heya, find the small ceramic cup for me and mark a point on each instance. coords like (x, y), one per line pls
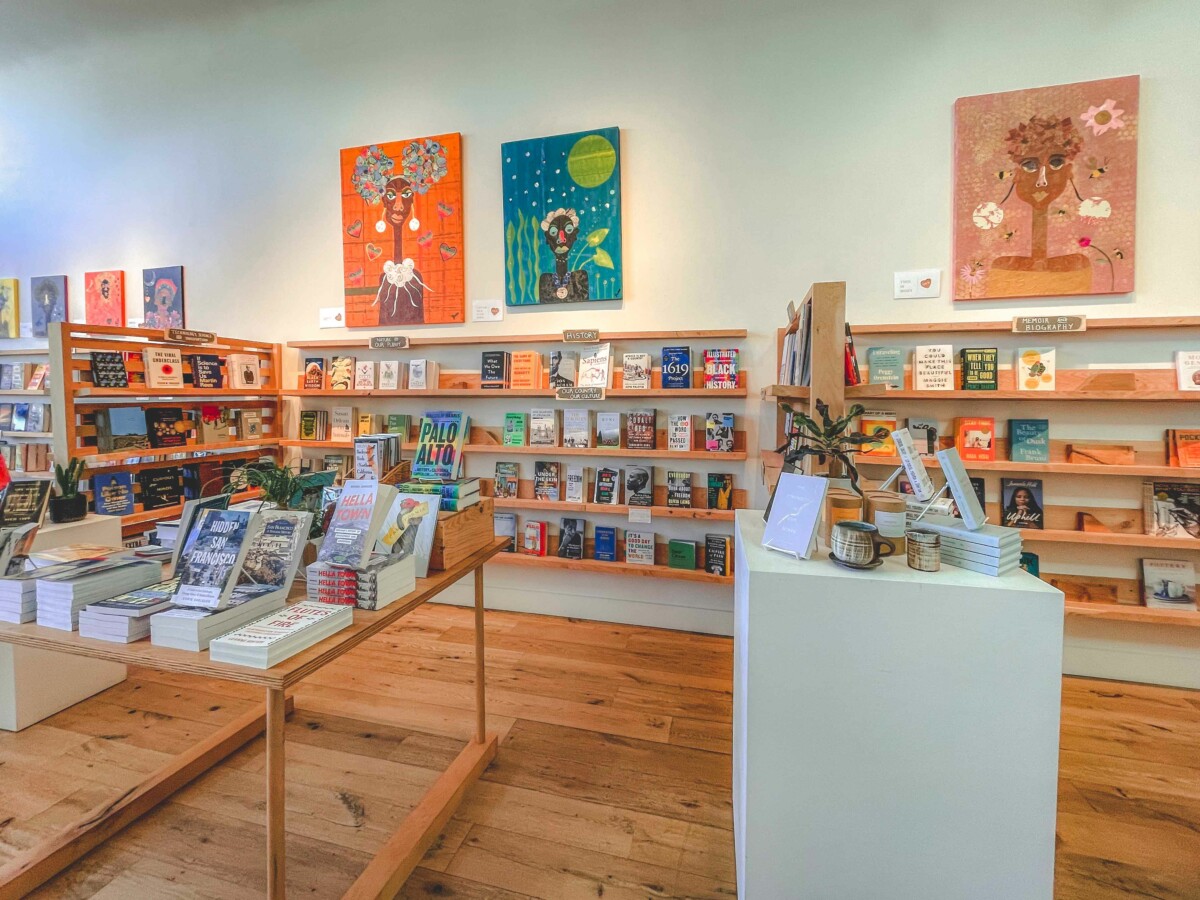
(924, 549)
(859, 543)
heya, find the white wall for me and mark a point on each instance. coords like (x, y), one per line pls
(766, 145)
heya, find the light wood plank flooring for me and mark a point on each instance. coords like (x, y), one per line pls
(613, 778)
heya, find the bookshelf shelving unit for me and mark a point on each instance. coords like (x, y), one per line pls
(76, 401)
(1107, 598)
(32, 355)
(485, 441)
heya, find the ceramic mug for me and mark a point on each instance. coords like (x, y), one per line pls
(859, 543)
(924, 550)
(1172, 589)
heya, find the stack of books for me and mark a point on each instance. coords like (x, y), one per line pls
(192, 628)
(381, 582)
(989, 549)
(62, 595)
(282, 634)
(126, 617)
(314, 425)
(454, 496)
(375, 455)
(18, 598)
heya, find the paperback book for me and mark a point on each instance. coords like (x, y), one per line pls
(1172, 509)
(424, 375)
(595, 367)
(341, 373)
(516, 429)
(526, 370)
(635, 371)
(243, 370)
(505, 525)
(885, 365)
(570, 538)
(718, 432)
(274, 555)
(1029, 440)
(108, 369)
(720, 490)
(543, 428)
(933, 367)
(574, 487)
(166, 426)
(312, 425)
(721, 370)
(607, 489)
(391, 375)
(213, 555)
(1169, 583)
(577, 427)
(440, 441)
(925, 435)
(546, 480)
(495, 370)
(676, 367)
(717, 554)
(364, 375)
(357, 521)
(608, 429)
(639, 486)
(1022, 503)
(314, 373)
(121, 428)
(160, 487)
(979, 368)
(112, 493)
(681, 554)
(507, 481)
(164, 367)
(564, 364)
(533, 542)
(1187, 370)
(975, 438)
(679, 490)
(605, 548)
(640, 429)
(679, 433)
(206, 371)
(874, 422)
(1035, 369)
(639, 547)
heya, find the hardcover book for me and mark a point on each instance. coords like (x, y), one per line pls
(975, 438)
(1169, 583)
(933, 367)
(369, 423)
(721, 370)
(341, 423)
(564, 365)
(872, 420)
(979, 367)
(243, 370)
(577, 427)
(1029, 440)
(534, 543)
(574, 490)
(341, 373)
(213, 555)
(20, 417)
(925, 434)
(166, 426)
(364, 375)
(1035, 369)
(679, 433)
(390, 375)
(214, 424)
(885, 365)
(24, 503)
(36, 422)
(635, 371)
(440, 441)
(37, 377)
(595, 367)
(309, 425)
(526, 370)
(1022, 503)
(108, 369)
(679, 490)
(1187, 370)
(639, 547)
(399, 423)
(716, 554)
(1030, 563)
(357, 521)
(605, 548)
(720, 490)
(120, 428)
(507, 481)
(206, 371)
(6, 419)
(543, 428)
(607, 489)
(640, 429)
(676, 367)
(516, 429)
(159, 487)
(423, 375)
(570, 538)
(495, 369)
(249, 424)
(681, 554)
(639, 486)
(718, 432)
(546, 480)
(1185, 447)
(608, 429)
(314, 373)
(505, 525)
(271, 561)
(1171, 509)
(164, 367)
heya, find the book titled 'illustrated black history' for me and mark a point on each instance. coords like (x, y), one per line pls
(213, 556)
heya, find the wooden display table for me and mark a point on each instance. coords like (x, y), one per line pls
(395, 860)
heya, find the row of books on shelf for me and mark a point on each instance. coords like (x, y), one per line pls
(118, 493)
(714, 556)
(163, 368)
(164, 427)
(528, 370)
(1035, 368)
(24, 376)
(25, 417)
(632, 485)
(26, 456)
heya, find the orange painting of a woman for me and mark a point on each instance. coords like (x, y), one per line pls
(1045, 189)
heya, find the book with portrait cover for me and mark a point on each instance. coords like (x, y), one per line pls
(720, 490)
(718, 432)
(1022, 503)
(639, 486)
(570, 538)
(975, 438)
(563, 367)
(213, 555)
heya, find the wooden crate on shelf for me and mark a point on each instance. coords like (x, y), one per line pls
(459, 534)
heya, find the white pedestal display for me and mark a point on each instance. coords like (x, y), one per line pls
(35, 684)
(895, 731)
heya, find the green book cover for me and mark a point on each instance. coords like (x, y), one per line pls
(885, 365)
(1029, 440)
(399, 423)
(978, 368)
(681, 554)
(516, 429)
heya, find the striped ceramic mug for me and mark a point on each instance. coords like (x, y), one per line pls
(858, 543)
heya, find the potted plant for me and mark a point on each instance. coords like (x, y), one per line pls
(284, 488)
(830, 442)
(69, 505)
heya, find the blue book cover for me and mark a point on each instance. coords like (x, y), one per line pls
(677, 367)
(1029, 440)
(885, 365)
(212, 558)
(606, 543)
(113, 493)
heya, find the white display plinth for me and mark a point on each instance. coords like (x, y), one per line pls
(35, 684)
(895, 731)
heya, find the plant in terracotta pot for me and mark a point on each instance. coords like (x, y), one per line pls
(69, 505)
(830, 441)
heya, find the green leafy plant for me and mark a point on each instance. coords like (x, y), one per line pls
(282, 486)
(831, 441)
(68, 478)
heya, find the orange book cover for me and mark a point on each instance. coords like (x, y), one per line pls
(873, 419)
(975, 438)
(1187, 447)
(526, 369)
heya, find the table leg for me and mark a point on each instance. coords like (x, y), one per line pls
(276, 839)
(480, 705)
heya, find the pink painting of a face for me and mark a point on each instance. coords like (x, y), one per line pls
(1045, 189)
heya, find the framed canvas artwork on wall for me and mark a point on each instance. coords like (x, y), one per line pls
(1045, 191)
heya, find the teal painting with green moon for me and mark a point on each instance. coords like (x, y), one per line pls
(562, 218)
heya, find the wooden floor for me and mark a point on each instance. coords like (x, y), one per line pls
(613, 778)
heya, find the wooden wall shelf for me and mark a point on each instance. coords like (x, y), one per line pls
(171, 512)
(1160, 322)
(25, 353)
(468, 340)
(697, 511)
(611, 568)
(163, 453)
(1051, 468)
(1109, 539)
(176, 395)
(1117, 612)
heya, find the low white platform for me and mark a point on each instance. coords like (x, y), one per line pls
(895, 732)
(35, 684)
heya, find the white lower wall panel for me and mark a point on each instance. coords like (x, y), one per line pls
(1127, 651)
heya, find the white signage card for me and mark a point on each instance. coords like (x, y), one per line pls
(914, 466)
(639, 515)
(960, 486)
(795, 515)
(331, 317)
(487, 311)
